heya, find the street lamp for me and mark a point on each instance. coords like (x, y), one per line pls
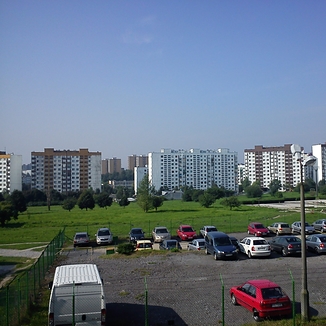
(309, 160)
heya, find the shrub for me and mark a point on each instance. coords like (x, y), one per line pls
(125, 248)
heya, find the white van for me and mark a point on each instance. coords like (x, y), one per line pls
(77, 296)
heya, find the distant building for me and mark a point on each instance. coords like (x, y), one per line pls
(10, 172)
(139, 174)
(320, 167)
(123, 183)
(200, 169)
(241, 173)
(66, 170)
(137, 161)
(266, 164)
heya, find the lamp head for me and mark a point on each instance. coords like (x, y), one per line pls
(310, 160)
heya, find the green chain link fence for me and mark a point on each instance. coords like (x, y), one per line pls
(17, 297)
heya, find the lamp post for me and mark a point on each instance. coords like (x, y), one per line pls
(310, 160)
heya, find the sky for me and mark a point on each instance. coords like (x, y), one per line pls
(133, 77)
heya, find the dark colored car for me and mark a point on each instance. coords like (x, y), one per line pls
(136, 234)
(170, 244)
(286, 245)
(257, 229)
(220, 246)
(263, 298)
(316, 243)
(320, 225)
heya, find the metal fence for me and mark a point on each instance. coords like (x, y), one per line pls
(17, 297)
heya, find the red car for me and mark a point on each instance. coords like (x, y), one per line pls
(186, 232)
(257, 229)
(263, 298)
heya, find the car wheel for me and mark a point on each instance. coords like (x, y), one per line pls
(234, 300)
(277, 233)
(256, 235)
(255, 315)
(248, 232)
(215, 256)
(206, 251)
(249, 254)
(284, 253)
(316, 250)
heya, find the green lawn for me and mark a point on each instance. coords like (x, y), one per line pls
(38, 224)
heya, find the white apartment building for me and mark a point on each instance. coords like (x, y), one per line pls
(269, 163)
(139, 174)
(10, 172)
(320, 167)
(200, 169)
(66, 170)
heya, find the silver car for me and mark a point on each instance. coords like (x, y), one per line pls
(196, 244)
(320, 225)
(296, 228)
(104, 236)
(160, 233)
(280, 228)
(316, 243)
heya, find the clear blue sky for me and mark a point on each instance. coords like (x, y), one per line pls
(132, 77)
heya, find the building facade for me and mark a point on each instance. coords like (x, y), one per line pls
(66, 170)
(200, 169)
(10, 172)
(139, 174)
(266, 164)
(137, 161)
(320, 167)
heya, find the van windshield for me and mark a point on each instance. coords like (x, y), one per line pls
(224, 241)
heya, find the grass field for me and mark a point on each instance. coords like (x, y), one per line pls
(38, 224)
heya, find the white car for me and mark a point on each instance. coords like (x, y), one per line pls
(255, 247)
(196, 244)
(207, 228)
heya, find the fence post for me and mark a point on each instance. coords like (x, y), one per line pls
(293, 299)
(146, 303)
(19, 297)
(223, 321)
(7, 304)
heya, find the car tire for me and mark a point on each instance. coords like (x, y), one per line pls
(249, 254)
(206, 251)
(255, 315)
(277, 233)
(284, 252)
(234, 300)
(256, 235)
(215, 256)
(248, 232)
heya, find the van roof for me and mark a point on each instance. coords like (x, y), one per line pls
(79, 273)
(217, 234)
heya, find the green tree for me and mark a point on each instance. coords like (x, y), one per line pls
(157, 201)
(216, 192)
(196, 193)
(245, 183)
(6, 212)
(86, 200)
(254, 191)
(145, 193)
(69, 203)
(103, 200)
(231, 202)
(274, 186)
(123, 202)
(18, 202)
(206, 199)
(187, 193)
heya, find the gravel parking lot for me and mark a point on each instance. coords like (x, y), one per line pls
(186, 288)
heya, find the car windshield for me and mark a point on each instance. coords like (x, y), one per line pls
(224, 241)
(259, 226)
(307, 224)
(293, 239)
(103, 232)
(170, 244)
(322, 239)
(161, 231)
(284, 225)
(211, 229)
(271, 293)
(80, 236)
(259, 242)
(187, 229)
(137, 231)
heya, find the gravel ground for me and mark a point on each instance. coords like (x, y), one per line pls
(186, 288)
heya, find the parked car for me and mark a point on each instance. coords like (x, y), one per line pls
(186, 232)
(320, 225)
(296, 228)
(316, 243)
(257, 229)
(103, 236)
(143, 245)
(255, 247)
(286, 245)
(170, 244)
(280, 228)
(263, 298)
(197, 244)
(136, 234)
(220, 246)
(81, 239)
(207, 228)
(160, 233)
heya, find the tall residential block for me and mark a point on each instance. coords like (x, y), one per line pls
(320, 167)
(200, 169)
(66, 170)
(266, 164)
(137, 161)
(10, 172)
(139, 174)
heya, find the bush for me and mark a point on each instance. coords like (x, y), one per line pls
(125, 248)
